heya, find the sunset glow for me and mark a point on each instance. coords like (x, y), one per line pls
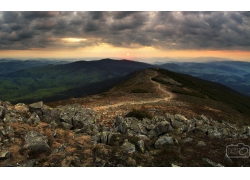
(121, 35)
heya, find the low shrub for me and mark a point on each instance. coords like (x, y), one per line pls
(139, 91)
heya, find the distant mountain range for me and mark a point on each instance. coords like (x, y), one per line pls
(233, 74)
(12, 65)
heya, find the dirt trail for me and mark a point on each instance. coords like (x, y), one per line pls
(167, 97)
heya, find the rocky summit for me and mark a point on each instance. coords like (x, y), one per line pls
(37, 135)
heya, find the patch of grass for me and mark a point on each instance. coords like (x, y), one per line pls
(212, 90)
(195, 94)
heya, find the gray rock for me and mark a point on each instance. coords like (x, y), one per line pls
(143, 137)
(163, 140)
(53, 124)
(169, 117)
(29, 163)
(121, 125)
(105, 137)
(36, 142)
(66, 126)
(137, 127)
(215, 134)
(205, 119)
(34, 119)
(212, 163)
(187, 140)
(140, 145)
(3, 111)
(4, 154)
(176, 124)
(173, 165)
(37, 108)
(201, 144)
(128, 147)
(162, 127)
(150, 126)
(179, 117)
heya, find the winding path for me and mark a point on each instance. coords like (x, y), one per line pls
(165, 98)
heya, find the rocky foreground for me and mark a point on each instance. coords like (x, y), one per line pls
(72, 135)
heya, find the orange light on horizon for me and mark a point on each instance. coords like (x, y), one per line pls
(106, 50)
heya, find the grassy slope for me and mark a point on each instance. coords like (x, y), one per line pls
(228, 73)
(213, 91)
(51, 81)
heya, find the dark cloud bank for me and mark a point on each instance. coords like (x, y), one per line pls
(163, 30)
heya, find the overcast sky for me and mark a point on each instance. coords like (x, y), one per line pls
(125, 34)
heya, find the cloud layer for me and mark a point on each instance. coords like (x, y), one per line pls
(161, 30)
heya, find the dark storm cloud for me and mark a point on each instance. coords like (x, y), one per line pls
(164, 30)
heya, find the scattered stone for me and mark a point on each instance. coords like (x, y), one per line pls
(173, 165)
(201, 144)
(141, 146)
(187, 140)
(128, 147)
(162, 127)
(4, 154)
(66, 126)
(212, 163)
(37, 108)
(33, 120)
(163, 140)
(3, 111)
(29, 163)
(21, 108)
(180, 118)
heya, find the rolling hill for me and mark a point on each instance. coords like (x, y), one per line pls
(233, 74)
(62, 81)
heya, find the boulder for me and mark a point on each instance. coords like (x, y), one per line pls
(37, 108)
(4, 154)
(128, 147)
(36, 142)
(163, 140)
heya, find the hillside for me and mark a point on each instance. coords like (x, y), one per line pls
(153, 117)
(12, 65)
(233, 74)
(63, 81)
